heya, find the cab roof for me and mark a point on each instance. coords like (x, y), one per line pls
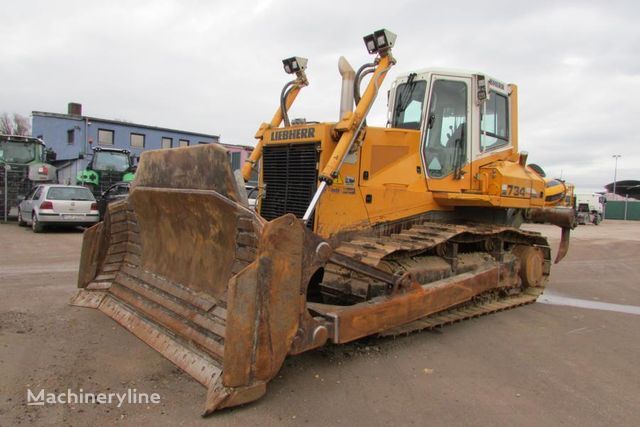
(21, 138)
(423, 72)
(113, 150)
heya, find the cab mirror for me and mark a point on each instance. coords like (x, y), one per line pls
(481, 84)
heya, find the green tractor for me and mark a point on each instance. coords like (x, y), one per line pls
(23, 164)
(107, 166)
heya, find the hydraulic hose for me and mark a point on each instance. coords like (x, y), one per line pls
(362, 71)
(283, 97)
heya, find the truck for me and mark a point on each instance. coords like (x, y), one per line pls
(107, 167)
(23, 163)
(589, 208)
(359, 230)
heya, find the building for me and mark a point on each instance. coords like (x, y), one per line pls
(72, 136)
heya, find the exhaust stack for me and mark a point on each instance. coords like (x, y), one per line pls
(348, 79)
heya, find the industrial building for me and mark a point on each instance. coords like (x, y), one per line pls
(72, 136)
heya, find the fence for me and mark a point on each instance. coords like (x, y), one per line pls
(616, 210)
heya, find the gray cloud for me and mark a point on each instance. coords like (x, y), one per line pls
(215, 66)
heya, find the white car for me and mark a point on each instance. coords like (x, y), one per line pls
(53, 204)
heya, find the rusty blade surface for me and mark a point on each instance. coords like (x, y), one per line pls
(202, 368)
(160, 264)
(201, 167)
(187, 236)
(564, 244)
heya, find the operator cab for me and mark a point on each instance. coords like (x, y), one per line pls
(15, 149)
(461, 115)
(110, 159)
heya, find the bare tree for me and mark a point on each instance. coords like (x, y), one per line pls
(21, 125)
(6, 124)
(16, 125)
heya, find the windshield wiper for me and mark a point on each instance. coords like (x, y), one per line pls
(405, 96)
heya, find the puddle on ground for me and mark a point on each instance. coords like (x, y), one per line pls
(556, 299)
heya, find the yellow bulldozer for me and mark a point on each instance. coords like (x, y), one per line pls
(358, 230)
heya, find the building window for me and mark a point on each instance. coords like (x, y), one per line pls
(235, 161)
(137, 140)
(71, 134)
(167, 142)
(105, 137)
(202, 143)
(184, 143)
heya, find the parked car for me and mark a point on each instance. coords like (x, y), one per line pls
(53, 204)
(118, 191)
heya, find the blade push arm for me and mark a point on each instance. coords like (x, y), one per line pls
(351, 126)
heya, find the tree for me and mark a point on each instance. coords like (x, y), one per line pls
(16, 125)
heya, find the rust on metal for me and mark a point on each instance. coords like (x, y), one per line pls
(561, 217)
(563, 248)
(374, 316)
(226, 296)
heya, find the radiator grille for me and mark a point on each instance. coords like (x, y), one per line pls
(18, 184)
(107, 179)
(290, 174)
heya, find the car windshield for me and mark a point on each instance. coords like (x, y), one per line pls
(110, 161)
(69, 193)
(17, 152)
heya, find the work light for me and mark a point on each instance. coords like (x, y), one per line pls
(294, 64)
(380, 40)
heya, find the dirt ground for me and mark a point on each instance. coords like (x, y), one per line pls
(543, 364)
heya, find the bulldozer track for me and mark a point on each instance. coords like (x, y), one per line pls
(402, 250)
(427, 235)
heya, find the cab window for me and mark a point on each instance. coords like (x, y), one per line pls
(407, 112)
(494, 128)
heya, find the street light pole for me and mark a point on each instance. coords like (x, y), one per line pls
(615, 172)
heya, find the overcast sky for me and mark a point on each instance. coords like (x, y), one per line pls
(215, 66)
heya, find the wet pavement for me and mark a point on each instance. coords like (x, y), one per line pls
(552, 298)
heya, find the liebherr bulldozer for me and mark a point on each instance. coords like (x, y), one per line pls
(358, 230)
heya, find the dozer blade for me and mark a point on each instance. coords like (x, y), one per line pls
(196, 275)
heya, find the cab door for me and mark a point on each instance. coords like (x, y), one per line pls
(446, 144)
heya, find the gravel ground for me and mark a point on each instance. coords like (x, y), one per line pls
(540, 364)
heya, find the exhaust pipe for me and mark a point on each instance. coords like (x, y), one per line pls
(348, 79)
